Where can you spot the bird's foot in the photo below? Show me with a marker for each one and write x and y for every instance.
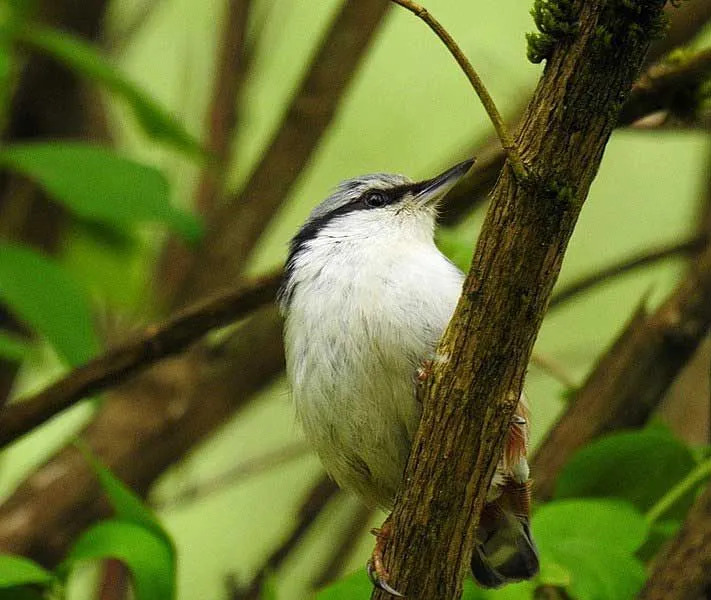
(424, 371)
(377, 573)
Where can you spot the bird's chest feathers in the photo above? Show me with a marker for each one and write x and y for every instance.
(370, 316)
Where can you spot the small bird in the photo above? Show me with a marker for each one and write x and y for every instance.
(366, 296)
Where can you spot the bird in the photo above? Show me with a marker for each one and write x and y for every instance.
(366, 295)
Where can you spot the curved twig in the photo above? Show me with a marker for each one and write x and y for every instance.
(501, 130)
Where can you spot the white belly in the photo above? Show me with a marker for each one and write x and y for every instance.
(352, 357)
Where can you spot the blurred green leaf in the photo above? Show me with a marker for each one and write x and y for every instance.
(99, 185)
(18, 570)
(637, 466)
(12, 347)
(595, 541)
(84, 58)
(127, 504)
(40, 293)
(513, 591)
(147, 556)
(356, 586)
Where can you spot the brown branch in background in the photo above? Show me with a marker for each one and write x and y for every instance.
(683, 570)
(222, 114)
(144, 427)
(236, 227)
(221, 123)
(157, 343)
(668, 85)
(643, 259)
(320, 495)
(664, 85)
(630, 380)
(344, 544)
(685, 23)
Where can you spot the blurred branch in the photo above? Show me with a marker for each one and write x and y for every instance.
(643, 259)
(630, 380)
(670, 85)
(222, 113)
(158, 342)
(143, 427)
(663, 85)
(554, 369)
(507, 143)
(344, 544)
(115, 42)
(235, 475)
(683, 569)
(320, 495)
(685, 23)
(237, 226)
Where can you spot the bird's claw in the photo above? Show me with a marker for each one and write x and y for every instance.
(380, 582)
(377, 573)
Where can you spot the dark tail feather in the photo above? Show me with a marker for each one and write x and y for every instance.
(505, 550)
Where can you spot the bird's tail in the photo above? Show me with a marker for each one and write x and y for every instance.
(505, 551)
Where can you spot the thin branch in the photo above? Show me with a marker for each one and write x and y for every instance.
(662, 86)
(235, 475)
(157, 343)
(344, 543)
(630, 380)
(668, 85)
(683, 570)
(649, 257)
(222, 113)
(502, 131)
(554, 369)
(143, 427)
(316, 501)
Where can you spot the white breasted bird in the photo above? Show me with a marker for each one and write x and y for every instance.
(366, 296)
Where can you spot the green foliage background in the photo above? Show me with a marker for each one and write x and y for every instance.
(409, 110)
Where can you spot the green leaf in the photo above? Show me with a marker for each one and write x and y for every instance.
(595, 542)
(12, 347)
(356, 586)
(146, 555)
(127, 504)
(41, 294)
(635, 466)
(85, 59)
(17, 570)
(99, 185)
(513, 591)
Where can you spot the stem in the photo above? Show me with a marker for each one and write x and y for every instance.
(501, 131)
(669, 499)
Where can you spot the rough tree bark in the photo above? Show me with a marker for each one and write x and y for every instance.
(472, 392)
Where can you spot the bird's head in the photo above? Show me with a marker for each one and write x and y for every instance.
(377, 204)
(371, 214)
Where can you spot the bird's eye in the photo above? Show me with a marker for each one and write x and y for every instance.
(375, 199)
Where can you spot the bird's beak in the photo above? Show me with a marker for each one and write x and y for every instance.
(431, 191)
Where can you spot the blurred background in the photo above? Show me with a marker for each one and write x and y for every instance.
(245, 114)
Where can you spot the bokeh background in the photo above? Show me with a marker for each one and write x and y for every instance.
(407, 109)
